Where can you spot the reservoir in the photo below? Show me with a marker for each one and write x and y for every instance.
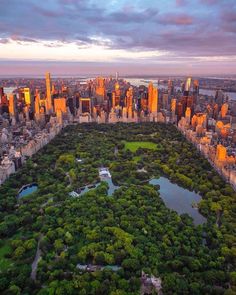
(179, 199)
(27, 190)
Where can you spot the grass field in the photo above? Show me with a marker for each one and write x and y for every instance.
(136, 159)
(4, 262)
(134, 145)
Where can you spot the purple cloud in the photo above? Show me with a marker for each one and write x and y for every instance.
(180, 3)
(4, 41)
(23, 39)
(176, 19)
(134, 16)
(181, 27)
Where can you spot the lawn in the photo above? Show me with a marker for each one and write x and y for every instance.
(4, 262)
(136, 159)
(134, 145)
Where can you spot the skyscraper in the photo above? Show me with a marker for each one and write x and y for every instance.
(27, 96)
(100, 89)
(154, 102)
(170, 88)
(165, 100)
(188, 85)
(60, 105)
(221, 153)
(37, 102)
(48, 93)
(150, 93)
(117, 76)
(117, 94)
(85, 105)
(219, 97)
(152, 98)
(196, 87)
(188, 114)
(4, 104)
(179, 110)
(173, 106)
(1, 92)
(12, 105)
(224, 110)
(129, 98)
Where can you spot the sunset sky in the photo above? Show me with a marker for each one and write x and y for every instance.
(132, 37)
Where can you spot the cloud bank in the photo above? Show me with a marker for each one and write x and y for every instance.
(180, 30)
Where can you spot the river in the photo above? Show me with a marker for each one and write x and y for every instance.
(209, 92)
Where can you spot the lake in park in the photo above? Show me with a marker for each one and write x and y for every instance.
(111, 187)
(179, 199)
(27, 190)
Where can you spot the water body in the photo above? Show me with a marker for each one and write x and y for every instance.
(27, 190)
(111, 187)
(88, 188)
(209, 92)
(179, 199)
(9, 90)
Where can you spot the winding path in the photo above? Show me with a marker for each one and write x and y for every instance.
(218, 218)
(36, 260)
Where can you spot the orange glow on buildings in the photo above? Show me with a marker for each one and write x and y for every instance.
(100, 88)
(129, 99)
(27, 96)
(48, 93)
(199, 119)
(37, 102)
(12, 104)
(60, 105)
(173, 105)
(224, 110)
(221, 153)
(188, 114)
(152, 98)
(150, 93)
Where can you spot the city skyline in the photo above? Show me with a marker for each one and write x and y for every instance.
(86, 37)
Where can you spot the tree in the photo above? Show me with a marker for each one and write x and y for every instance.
(15, 290)
(58, 245)
(19, 252)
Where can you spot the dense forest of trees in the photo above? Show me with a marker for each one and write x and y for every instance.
(132, 229)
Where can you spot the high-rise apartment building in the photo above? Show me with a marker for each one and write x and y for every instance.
(100, 89)
(12, 104)
(188, 85)
(196, 87)
(37, 102)
(48, 94)
(60, 105)
(129, 98)
(221, 153)
(85, 105)
(152, 98)
(27, 96)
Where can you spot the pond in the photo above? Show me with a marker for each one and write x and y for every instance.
(27, 190)
(87, 188)
(179, 199)
(111, 187)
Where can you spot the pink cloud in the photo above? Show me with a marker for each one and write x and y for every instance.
(180, 3)
(174, 19)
